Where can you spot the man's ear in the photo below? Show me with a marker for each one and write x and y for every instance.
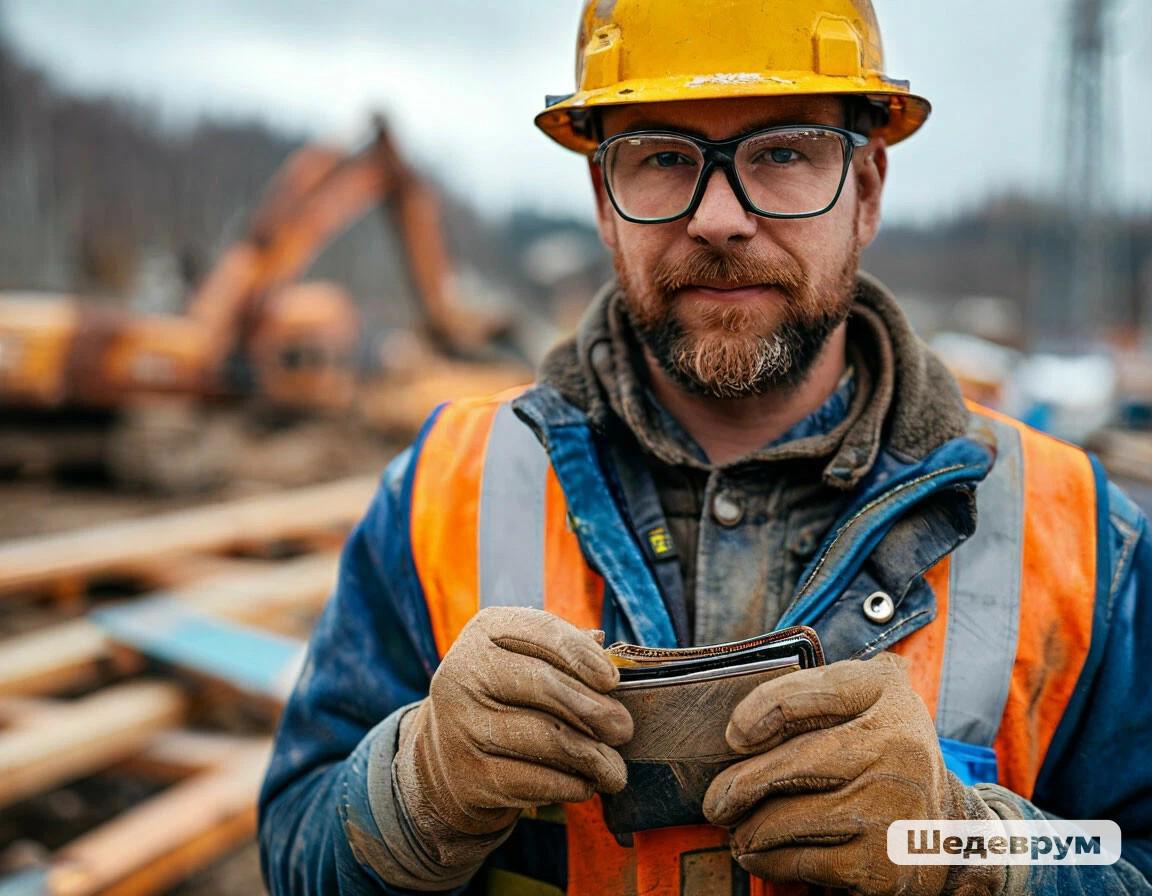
(605, 214)
(871, 172)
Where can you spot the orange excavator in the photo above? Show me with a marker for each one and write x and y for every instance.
(141, 389)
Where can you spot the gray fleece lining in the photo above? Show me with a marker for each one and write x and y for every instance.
(904, 390)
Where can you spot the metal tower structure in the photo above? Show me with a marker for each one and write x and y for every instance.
(1089, 139)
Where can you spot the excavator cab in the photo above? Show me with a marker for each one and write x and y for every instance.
(304, 348)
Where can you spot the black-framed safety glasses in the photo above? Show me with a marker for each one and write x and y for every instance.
(793, 171)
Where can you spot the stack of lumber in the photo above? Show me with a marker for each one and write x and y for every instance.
(135, 688)
(1126, 453)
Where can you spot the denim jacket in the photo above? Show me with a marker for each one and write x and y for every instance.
(372, 654)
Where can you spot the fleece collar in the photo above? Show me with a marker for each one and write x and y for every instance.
(905, 401)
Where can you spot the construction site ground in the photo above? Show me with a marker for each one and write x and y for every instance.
(34, 827)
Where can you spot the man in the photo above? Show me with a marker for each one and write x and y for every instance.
(745, 434)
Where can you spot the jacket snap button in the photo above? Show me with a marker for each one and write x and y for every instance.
(727, 510)
(879, 607)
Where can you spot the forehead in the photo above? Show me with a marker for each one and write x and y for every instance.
(716, 119)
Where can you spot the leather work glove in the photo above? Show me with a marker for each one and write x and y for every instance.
(516, 717)
(837, 753)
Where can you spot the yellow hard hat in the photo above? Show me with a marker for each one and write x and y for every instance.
(651, 51)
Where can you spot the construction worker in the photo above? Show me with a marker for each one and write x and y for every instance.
(745, 434)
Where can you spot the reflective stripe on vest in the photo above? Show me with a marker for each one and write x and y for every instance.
(984, 604)
(482, 473)
(512, 525)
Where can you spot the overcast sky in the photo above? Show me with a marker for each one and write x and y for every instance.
(462, 80)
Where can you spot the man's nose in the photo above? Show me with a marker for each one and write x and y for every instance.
(720, 219)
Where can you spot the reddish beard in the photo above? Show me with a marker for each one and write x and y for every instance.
(727, 349)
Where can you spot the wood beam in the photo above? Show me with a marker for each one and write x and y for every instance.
(166, 838)
(73, 653)
(45, 749)
(30, 564)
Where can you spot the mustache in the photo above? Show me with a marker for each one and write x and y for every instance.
(743, 268)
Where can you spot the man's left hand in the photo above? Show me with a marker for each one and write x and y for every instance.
(837, 754)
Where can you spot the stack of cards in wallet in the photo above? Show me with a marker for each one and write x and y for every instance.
(680, 701)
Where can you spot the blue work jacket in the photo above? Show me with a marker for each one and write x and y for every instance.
(373, 653)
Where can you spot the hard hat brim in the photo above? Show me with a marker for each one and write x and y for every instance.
(907, 112)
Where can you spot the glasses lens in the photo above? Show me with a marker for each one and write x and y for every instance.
(792, 171)
(652, 176)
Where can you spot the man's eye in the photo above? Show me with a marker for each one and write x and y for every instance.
(780, 155)
(669, 159)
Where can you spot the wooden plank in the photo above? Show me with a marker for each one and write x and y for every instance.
(166, 838)
(76, 652)
(248, 659)
(179, 753)
(32, 563)
(1126, 466)
(266, 593)
(45, 750)
(169, 755)
(180, 572)
(54, 659)
(24, 710)
(1126, 453)
(199, 851)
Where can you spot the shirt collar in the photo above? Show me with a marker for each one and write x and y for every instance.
(900, 395)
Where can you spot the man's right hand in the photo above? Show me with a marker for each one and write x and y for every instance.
(516, 716)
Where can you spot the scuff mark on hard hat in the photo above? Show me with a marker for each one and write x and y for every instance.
(736, 78)
(605, 8)
(726, 78)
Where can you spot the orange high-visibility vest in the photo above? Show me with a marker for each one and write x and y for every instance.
(997, 665)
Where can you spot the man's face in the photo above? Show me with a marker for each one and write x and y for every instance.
(727, 302)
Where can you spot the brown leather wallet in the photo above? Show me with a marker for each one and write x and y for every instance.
(680, 701)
